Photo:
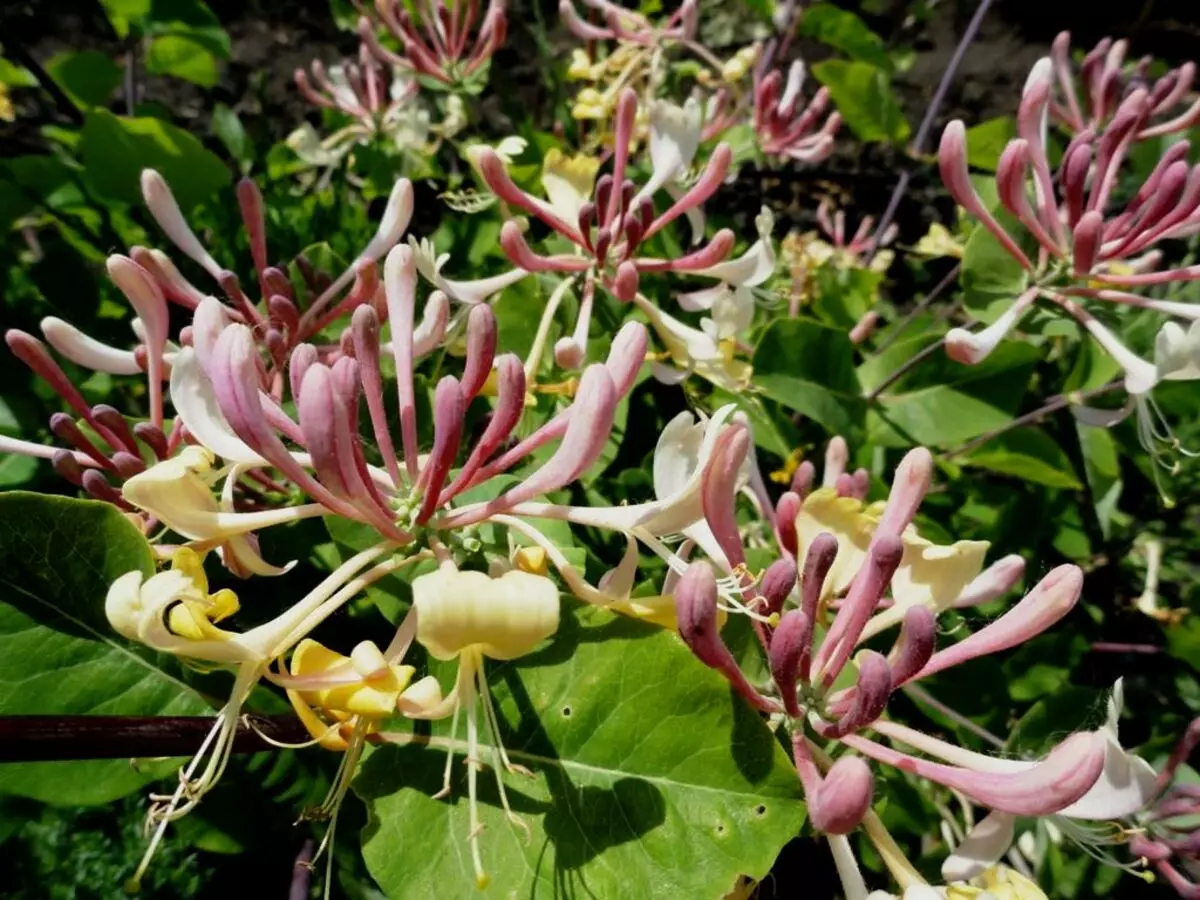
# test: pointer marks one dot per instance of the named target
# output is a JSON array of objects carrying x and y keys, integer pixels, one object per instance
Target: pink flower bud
[
  {"x": 868, "y": 587},
  {"x": 1086, "y": 242},
  {"x": 837, "y": 455},
  {"x": 449, "y": 407},
  {"x": 778, "y": 582},
  {"x": 400, "y": 283},
  {"x": 165, "y": 210},
  {"x": 1051, "y": 599},
  {"x": 126, "y": 464},
  {"x": 843, "y": 798},
  {"x": 871, "y": 692},
  {"x": 791, "y": 645},
  {"x": 115, "y": 422},
  {"x": 711, "y": 179},
  {"x": 396, "y": 216},
  {"x": 803, "y": 479},
  {"x": 910, "y": 484},
  {"x": 579, "y": 27},
  {"x": 250, "y": 203},
  {"x": 718, "y": 490},
  {"x": 481, "y": 349},
  {"x": 510, "y": 401},
  {"x": 491, "y": 168},
  {"x": 626, "y": 355},
  {"x": 303, "y": 356},
  {"x": 96, "y": 485},
  {"x": 364, "y": 326},
  {"x": 67, "y": 467},
  {"x": 152, "y": 437},
  {"x": 625, "y": 283},
  {"x": 994, "y": 581},
  {"x": 914, "y": 647},
  {"x": 786, "y": 511}
]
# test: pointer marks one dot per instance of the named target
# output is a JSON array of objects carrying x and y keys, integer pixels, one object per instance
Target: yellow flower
[
  {"x": 7, "y": 113},
  {"x": 997, "y": 883},
  {"x": 938, "y": 242},
  {"x": 929, "y": 574},
  {"x": 739, "y": 65},
  {"x": 581, "y": 68},
  {"x": 362, "y": 684},
  {"x": 568, "y": 181}
]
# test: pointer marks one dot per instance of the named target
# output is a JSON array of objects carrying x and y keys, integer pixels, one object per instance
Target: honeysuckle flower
[
  {"x": 452, "y": 47},
  {"x": 809, "y": 652},
  {"x": 430, "y": 263},
  {"x": 468, "y": 616},
  {"x": 1090, "y": 98},
  {"x": 788, "y": 128},
  {"x": 694, "y": 351},
  {"x": 1126, "y": 785},
  {"x": 616, "y": 217},
  {"x": 732, "y": 301},
  {"x": 174, "y": 612},
  {"x": 361, "y": 91}
]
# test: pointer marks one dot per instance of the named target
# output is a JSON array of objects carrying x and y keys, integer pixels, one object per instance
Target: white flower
[
  {"x": 732, "y": 301},
  {"x": 429, "y": 264}
]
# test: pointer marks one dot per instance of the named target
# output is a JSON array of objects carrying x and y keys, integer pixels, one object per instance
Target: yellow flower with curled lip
[
  {"x": 930, "y": 574},
  {"x": 568, "y": 181}
]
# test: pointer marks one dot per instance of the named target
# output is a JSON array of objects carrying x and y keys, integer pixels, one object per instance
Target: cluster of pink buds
[
  {"x": 241, "y": 418},
  {"x": 1104, "y": 82},
  {"x": 618, "y": 216},
  {"x": 629, "y": 26},
  {"x": 450, "y": 46},
  {"x": 826, "y": 595},
  {"x": 833, "y": 224},
  {"x": 360, "y": 90},
  {"x": 278, "y": 322},
  {"x": 1083, "y": 250},
  {"x": 787, "y": 127}
]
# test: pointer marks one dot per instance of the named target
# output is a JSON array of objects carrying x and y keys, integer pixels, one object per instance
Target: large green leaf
[
  {"x": 58, "y": 655},
  {"x": 809, "y": 368},
  {"x": 863, "y": 95},
  {"x": 182, "y": 57},
  {"x": 649, "y": 778},
  {"x": 991, "y": 277},
  {"x": 116, "y": 149},
  {"x": 1029, "y": 454},
  {"x": 89, "y": 77},
  {"x": 987, "y": 140},
  {"x": 942, "y": 403},
  {"x": 843, "y": 30}
]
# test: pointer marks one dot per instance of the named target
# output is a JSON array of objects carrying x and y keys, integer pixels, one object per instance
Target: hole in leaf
[
  {"x": 720, "y": 828},
  {"x": 566, "y": 712},
  {"x": 760, "y": 810}
]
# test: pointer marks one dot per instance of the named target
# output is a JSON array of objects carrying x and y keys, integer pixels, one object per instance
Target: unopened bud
[
  {"x": 777, "y": 584},
  {"x": 786, "y": 510},
  {"x": 915, "y": 646},
  {"x": 844, "y": 797},
  {"x": 791, "y": 646}
]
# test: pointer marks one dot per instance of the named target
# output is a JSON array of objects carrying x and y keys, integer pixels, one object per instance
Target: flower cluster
[
  {"x": 451, "y": 46},
  {"x": 846, "y": 573},
  {"x": 1082, "y": 248}
]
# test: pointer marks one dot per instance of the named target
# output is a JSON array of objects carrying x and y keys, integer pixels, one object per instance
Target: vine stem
[
  {"x": 45, "y": 738},
  {"x": 947, "y": 280},
  {"x": 1054, "y": 404},
  {"x": 918, "y": 145},
  {"x": 915, "y": 360}
]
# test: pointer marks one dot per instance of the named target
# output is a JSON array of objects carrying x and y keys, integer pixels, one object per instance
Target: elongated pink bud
[
  {"x": 303, "y": 356},
  {"x": 250, "y": 202},
  {"x": 449, "y": 406},
  {"x": 153, "y": 438},
  {"x": 952, "y": 161},
  {"x": 696, "y": 612},
  {"x": 147, "y": 300},
  {"x": 63, "y": 427},
  {"x": 626, "y": 355},
  {"x": 284, "y": 312},
  {"x": 510, "y": 401},
  {"x": 915, "y": 646},
  {"x": 481, "y": 349},
  {"x": 718, "y": 491},
  {"x": 871, "y": 693},
  {"x": 1077, "y": 162},
  {"x": 163, "y": 207},
  {"x": 127, "y": 465},
  {"x": 493, "y": 170},
  {"x": 586, "y": 435},
  {"x": 843, "y": 798},
  {"x": 1051, "y": 599},
  {"x": 910, "y": 484},
  {"x": 1065, "y": 775},
  {"x": 68, "y": 467},
  {"x": 1011, "y": 173},
  {"x": 623, "y": 123},
  {"x": 512, "y": 242},
  {"x": 96, "y": 485},
  {"x": 837, "y": 455},
  {"x": 786, "y": 511},
  {"x": 400, "y": 283},
  {"x": 707, "y": 256},
  {"x": 625, "y": 282},
  {"x": 396, "y": 216},
  {"x": 996, "y": 580},
  {"x": 578, "y": 26},
  {"x": 711, "y": 179},
  {"x": 364, "y": 326},
  {"x": 791, "y": 645},
  {"x": 315, "y": 408},
  {"x": 803, "y": 479},
  {"x": 868, "y": 587},
  {"x": 778, "y": 582},
  {"x": 818, "y": 560},
  {"x": 432, "y": 330},
  {"x": 1086, "y": 242},
  {"x": 115, "y": 422}
]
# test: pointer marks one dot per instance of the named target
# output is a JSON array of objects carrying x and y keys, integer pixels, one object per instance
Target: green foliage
[
  {"x": 640, "y": 777},
  {"x": 88, "y": 77},
  {"x": 844, "y": 31},
  {"x": 116, "y": 149},
  {"x": 863, "y": 95},
  {"x": 60, "y": 656}
]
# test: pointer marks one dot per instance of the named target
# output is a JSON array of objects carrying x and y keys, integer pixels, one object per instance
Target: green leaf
[
  {"x": 987, "y": 140},
  {"x": 647, "y": 771},
  {"x": 990, "y": 277},
  {"x": 89, "y": 77},
  {"x": 843, "y": 30},
  {"x": 810, "y": 368},
  {"x": 229, "y": 131},
  {"x": 14, "y": 76},
  {"x": 190, "y": 19},
  {"x": 1060, "y": 712},
  {"x": 1102, "y": 468},
  {"x": 843, "y": 296},
  {"x": 16, "y": 470},
  {"x": 58, "y": 655},
  {"x": 1029, "y": 454},
  {"x": 863, "y": 95},
  {"x": 116, "y": 149},
  {"x": 941, "y": 403},
  {"x": 183, "y": 58},
  {"x": 123, "y": 13}
]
